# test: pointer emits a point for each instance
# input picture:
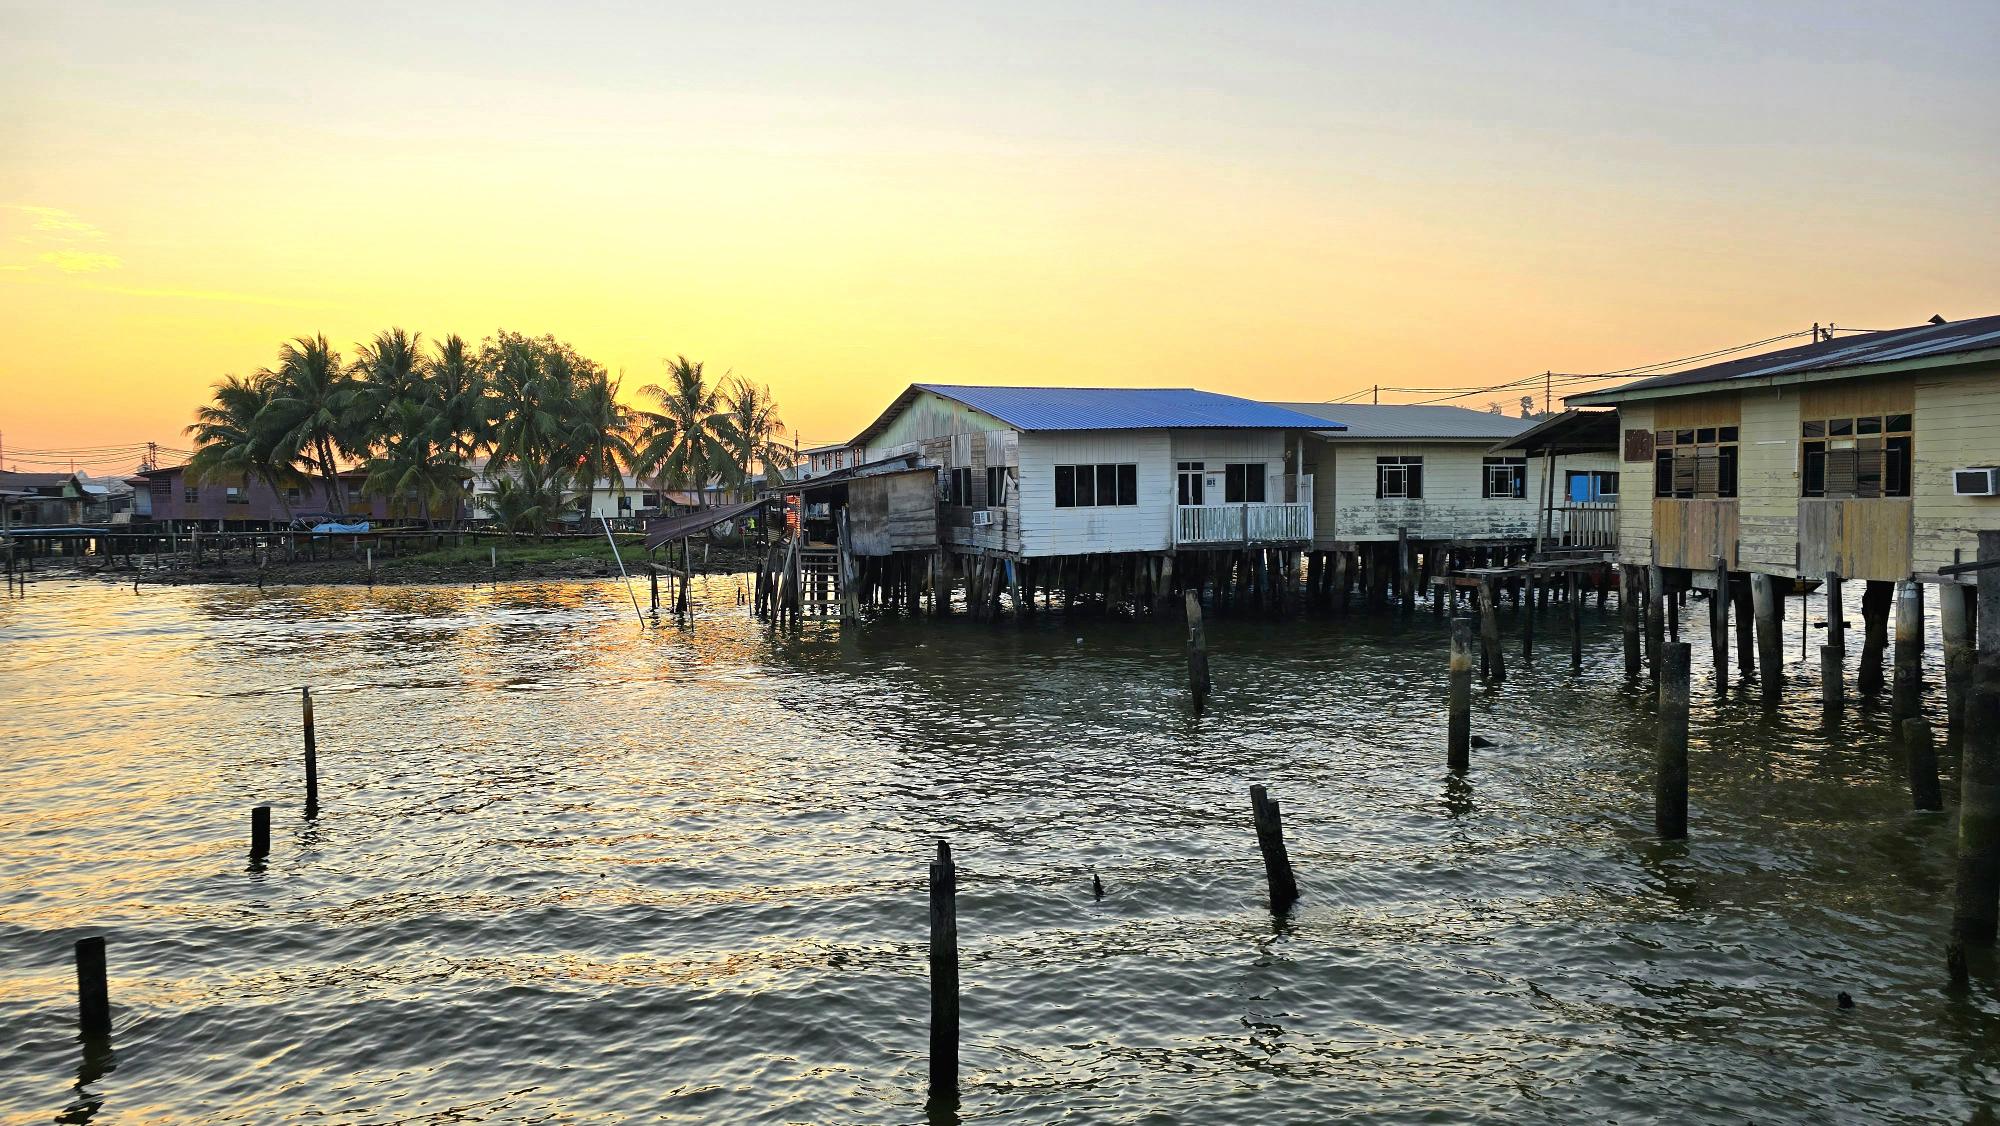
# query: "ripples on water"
(573, 871)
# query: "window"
(1097, 486)
(1243, 482)
(1191, 476)
(1586, 485)
(1399, 477)
(294, 495)
(1505, 478)
(1695, 464)
(1855, 457)
(234, 495)
(649, 499)
(191, 494)
(996, 486)
(961, 487)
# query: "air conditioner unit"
(1979, 482)
(982, 518)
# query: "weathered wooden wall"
(1346, 509)
(894, 512)
(1957, 426)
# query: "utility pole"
(1378, 395)
(1548, 391)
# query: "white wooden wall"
(1048, 530)
(1345, 507)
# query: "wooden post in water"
(1832, 688)
(944, 979)
(1718, 626)
(1670, 774)
(1656, 619)
(1528, 622)
(93, 993)
(653, 573)
(1976, 900)
(1921, 745)
(1197, 651)
(260, 832)
(1628, 618)
(1267, 817)
(1955, 607)
(1875, 600)
(312, 754)
(1742, 604)
(1494, 662)
(1575, 624)
(1908, 692)
(1770, 646)
(1458, 724)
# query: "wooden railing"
(1587, 524)
(1243, 523)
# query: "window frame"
(958, 487)
(1110, 484)
(1408, 469)
(1832, 457)
(1678, 457)
(1238, 479)
(1516, 474)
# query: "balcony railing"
(1243, 523)
(1586, 524)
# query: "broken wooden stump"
(944, 979)
(93, 994)
(1458, 724)
(1670, 775)
(1268, 819)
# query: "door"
(1191, 482)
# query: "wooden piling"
(1976, 898)
(1921, 747)
(312, 754)
(1905, 698)
(93, 993)
(1742, 605)
(1955, 608)
(1528, 609)
(1269, 821)
(1493, 661)
(1832, 686)
(1656, 618)
(1875, 599)
(1458, 725)
(260, 832)
(1628, 618)
(1198, 683)
(1770, 645)
(944, 979)
(1670, 775)
(1718, 626)
(1575, 624)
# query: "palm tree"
(307, 415)
(751, 431)
(599, 433)
(412, 464)
(230, 443)
(385, 372)
(679, 442)
(531, 390)
(526, 500)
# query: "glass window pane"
(1683, 437)
(1663, 438)
(1725, 434)
(1705, 435)
(1128, 484)
(1838, 426)
(1899, 423)
(1086, 486)
(1816, 429)
(1869, 425)
(1107, 485)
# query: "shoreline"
(386, 572)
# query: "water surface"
(572, 870)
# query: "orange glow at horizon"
(1281, 210)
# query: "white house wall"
(1346, 509)
(1048, 530)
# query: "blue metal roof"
(1111, 408)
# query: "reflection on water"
(574, 870)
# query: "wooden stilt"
(944, 979)
(1670, 778)
(1907, 695)
(1875, 601)
(1770, 646)
(1268, 818)
(1628, 618)
(1458, 728)
(1718, 626)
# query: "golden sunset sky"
(1286, 201)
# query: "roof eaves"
(1617, 395)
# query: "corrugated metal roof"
(1369, 421)
(1923, 341)
(1109, 408)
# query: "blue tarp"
(330, 528)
